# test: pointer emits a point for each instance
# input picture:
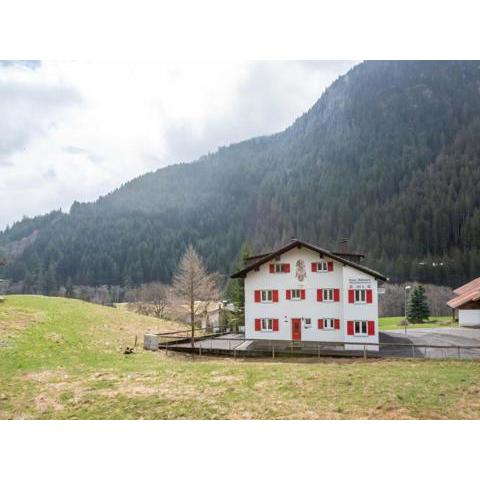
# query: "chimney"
(343, 245)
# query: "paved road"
(416, 339)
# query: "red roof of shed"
(470, 292)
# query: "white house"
(466, 304)
(302, 292)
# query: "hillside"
(62, 359)
(389, 157)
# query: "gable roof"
(474, 284)
(470, 292)
(258, 260)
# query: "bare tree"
(154, 296)
(194, 285)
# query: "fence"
(231, 344)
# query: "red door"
(296, 329)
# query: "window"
(322, 267)
(266, 296)
(328, 294)
(328, 323)
(296, 294)
(360, 296)
(361, 328)
(267, 324)
(279, 268)
(308, 322)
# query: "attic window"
(322, 267)
(279, 268)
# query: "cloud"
(267, 100)
(32, 64)
(92, 156)
(29, 107)
(77, 130)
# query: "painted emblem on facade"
(300, 270)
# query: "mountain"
(388, 157)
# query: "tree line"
(388, 158)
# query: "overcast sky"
(76, 130)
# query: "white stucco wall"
(469, 318)
(341, 277)
(353, 278)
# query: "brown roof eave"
(296, 243)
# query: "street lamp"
(407, 288)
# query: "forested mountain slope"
(389, 157)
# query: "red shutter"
(275, 324)
(350, 327)
(257, 325)
(275, 296)
(371, 327)
(288, 292)
(286, 268)
(319, 295)
(351, 296)
(272, 268)
(330, 266)
(314, 266)
(336, 294)
(257, 296)
(302, 294)
(369, 295)
(320, 323)
(336, 324)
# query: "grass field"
(63, 359)
(394, 323)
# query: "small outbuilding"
(466, 304)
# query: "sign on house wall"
(360, 283)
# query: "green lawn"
(394, 323)
(63, 359)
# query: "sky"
(77, 130)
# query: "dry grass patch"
(14, 320)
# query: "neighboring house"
(213, 317)
(210, 315)
(466, 304)
(302, 292)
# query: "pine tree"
(50, 287)
(236, 288)
(417, 310)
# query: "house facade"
(466, 304)
(302, 292)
